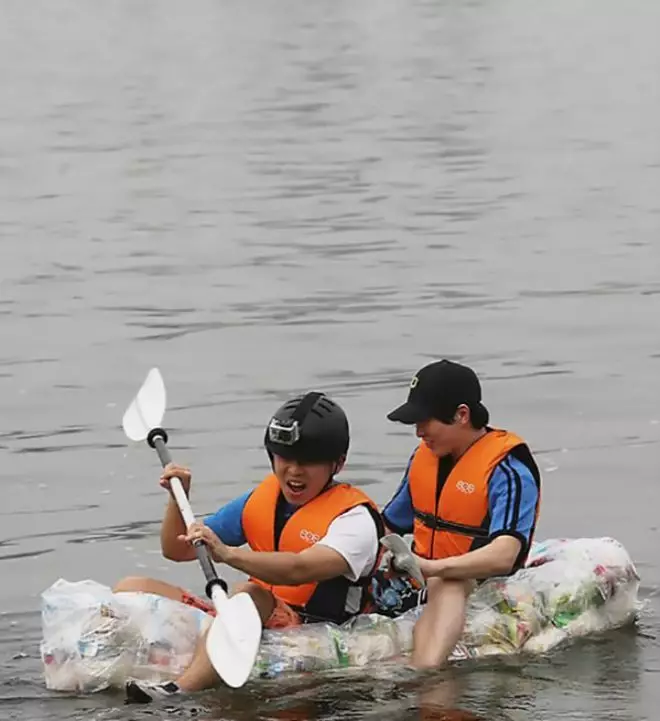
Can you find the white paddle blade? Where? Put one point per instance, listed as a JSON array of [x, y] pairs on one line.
[[147, 409], [403, 557], [233, 640]]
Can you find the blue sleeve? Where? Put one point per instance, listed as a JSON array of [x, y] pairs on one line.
[[398, 512], [227, 524], [512, 498]]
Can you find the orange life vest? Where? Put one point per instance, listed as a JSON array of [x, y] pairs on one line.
[[266, 529], [450, 502]]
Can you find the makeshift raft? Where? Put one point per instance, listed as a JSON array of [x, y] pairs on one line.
[[94, 639]]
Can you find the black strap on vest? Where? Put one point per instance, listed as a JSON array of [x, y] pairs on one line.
[[280, 520], [524, 455], [445, 467], [437, 524]]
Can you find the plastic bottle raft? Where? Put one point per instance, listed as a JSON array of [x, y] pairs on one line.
[[93, 639]]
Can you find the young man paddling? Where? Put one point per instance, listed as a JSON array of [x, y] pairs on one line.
[[470, 497], [313, 543]]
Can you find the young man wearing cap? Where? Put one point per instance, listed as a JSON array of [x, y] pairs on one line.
[[313, 543], [470, 497]]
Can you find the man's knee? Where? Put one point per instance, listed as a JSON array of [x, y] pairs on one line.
[[449, 587], [262, 597], [134, 583], [143, 584], [459, 587], [433, 585]]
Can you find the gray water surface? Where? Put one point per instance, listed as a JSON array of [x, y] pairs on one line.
[[262, 198]]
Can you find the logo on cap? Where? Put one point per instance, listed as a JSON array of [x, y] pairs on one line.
[[414, 382]]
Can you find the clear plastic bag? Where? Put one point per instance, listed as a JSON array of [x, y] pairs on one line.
[[93, 639]]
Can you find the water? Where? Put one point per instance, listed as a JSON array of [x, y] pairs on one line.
[[266, 197]]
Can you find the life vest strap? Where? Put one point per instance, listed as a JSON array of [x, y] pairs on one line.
[[437, 524]]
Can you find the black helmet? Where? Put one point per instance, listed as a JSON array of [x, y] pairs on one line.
[[310, 428]]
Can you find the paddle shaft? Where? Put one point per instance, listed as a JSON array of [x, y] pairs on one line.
[[201, 549], [233, 638]]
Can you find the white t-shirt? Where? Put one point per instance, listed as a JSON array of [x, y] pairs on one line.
[[353, 535]]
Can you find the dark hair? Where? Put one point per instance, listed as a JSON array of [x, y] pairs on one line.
[[479, 415]]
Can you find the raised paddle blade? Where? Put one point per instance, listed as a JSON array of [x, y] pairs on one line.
[[233, 640], [147, 409], [403, 559]]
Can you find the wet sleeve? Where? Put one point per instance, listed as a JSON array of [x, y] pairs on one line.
[[512, 497], [398, 511], [227, 522]]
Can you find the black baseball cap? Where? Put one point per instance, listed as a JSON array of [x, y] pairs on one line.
[[437, 390]]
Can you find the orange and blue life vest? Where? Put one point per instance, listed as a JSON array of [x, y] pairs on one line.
[[450, 500], [267, 528]]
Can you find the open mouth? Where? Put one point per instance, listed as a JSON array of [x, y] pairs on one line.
[[295, 487]]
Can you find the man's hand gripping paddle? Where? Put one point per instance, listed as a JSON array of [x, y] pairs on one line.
[[403, 560], [233, 640]]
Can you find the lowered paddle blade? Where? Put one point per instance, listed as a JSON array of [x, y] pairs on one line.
[[233, 641], [147, 409]]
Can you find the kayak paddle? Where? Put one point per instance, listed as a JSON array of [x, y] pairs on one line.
[[233, 640], [403, 560]]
